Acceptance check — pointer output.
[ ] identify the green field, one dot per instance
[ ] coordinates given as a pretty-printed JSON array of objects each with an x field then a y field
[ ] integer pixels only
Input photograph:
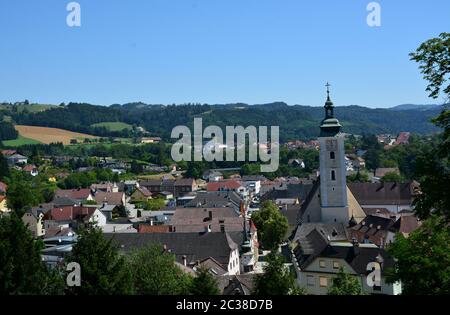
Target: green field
[
  {"x": 19, "y": 141},
  {"x": 113, "y": 126}
]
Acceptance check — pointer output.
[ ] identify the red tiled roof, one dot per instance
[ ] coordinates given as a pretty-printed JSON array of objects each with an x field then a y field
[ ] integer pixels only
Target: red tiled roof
[
  {"x": 29, "y": 168},
  {"x": 70, "y": 212},
  {"x": 8, "y": 152},
  {"x": 3, "y": 187},
  {"x": 223, "y": 185}
]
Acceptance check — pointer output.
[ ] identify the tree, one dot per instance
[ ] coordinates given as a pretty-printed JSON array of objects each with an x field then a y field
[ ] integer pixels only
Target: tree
[
  {"x": 4, "y": 170},
  {"x": 358, "y": 177},
  {"x": 276, "y": 279},
  {"x": 423, "y": 259},
  {"x": 271, "y": 224},
  {"x": 434, "y": 168},
  {"x": 204, "y": 283},
  {"x": 345, "y": 284},
  {"x": 391, "y": 177},
  {"x": 22, "y": 270},
  {"x": 17, "y": 199},
  {"x": 154, "y": 204},
  {"x": 103, "y": 269},
  {"x": 154, "y": 272},
  {"x": 434, "y": 59},
  {"x": 372, "y": 158}
]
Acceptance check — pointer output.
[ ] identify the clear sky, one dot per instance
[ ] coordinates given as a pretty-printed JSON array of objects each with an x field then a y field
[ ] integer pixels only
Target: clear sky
[{"x": 211, "y": 51}]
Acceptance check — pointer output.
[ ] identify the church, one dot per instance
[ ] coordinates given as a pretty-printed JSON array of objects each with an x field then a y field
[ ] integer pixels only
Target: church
[{"x": 330, "y": 200}]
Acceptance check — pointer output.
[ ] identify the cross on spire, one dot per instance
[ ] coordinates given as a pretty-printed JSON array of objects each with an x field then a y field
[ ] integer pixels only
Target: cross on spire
[{"x": 328, "y": 89}]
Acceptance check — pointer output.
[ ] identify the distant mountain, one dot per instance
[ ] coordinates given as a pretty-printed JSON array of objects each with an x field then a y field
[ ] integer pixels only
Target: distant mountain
[
  {"x": 295, "y": 121},
  {"x": 415, "y": 107}
]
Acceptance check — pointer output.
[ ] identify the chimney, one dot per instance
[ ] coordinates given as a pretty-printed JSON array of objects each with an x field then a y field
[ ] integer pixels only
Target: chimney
[
  {"x": 151, "y": 222},
  {"x": 184, "y": 260},
  {"x": 114, "y": 229}
]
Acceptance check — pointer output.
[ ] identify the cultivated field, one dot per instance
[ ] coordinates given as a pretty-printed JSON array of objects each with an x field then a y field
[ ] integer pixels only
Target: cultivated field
[{"x": 50, "y": 135}]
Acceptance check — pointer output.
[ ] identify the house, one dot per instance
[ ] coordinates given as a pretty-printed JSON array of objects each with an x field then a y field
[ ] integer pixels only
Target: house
[
  {"x": 188, "y": 248},
  {"x": 374, "y": 230},
  {"x": 224, "y": 219},
  {"x": 17, "y": 159},
  {"x": 215, "y": 199},
  {"x": 403, "y": 138},
  {"x": 292, "y": 215},
  {"x": 74, "y": 215},
  {"x": 31, "y": 169},
  {"x": 166, "y": 195},
  {"x": 177, "y": 187},
  {"x": 391, "y": 196},
  {"x": 212, "y": 176},
  {"x": 105, "y": 187},
  {"x": 236, "y": 284},
  {"x": 34, "y": 220},
  {"x": 288, "y": 192},
  {"x": 298, "y": 163},
  {"x": 79, "y": 195},
  {"x": 3, "y": 188},
  {"x": 130, "y": 186},
  {"x": 381, "y": 171},
  {"x": 141, "y": 194},
  {"x": 150, "y": 140},
  {"x": 107, "y": 210},
  {"x": 3, "y": 205},
  {"x": 359, "y": 163},
  {"x": 8, "y": 153},
  {"x": 227, "y": 185},
  {"x": 318, "y": 260},
  {"x": 253, "y": 183},
  {"x": 110, "y": 198}
]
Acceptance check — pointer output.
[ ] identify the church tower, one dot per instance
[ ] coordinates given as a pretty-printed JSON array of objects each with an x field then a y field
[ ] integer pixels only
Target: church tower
[{"x": 333, "y": 186}]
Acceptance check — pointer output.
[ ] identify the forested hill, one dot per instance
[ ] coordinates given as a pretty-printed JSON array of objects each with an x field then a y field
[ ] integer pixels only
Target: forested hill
[{"x": 296, "y": 122}]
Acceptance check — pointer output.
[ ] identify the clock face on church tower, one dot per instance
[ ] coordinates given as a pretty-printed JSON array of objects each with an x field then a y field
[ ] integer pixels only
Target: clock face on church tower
[{"x": 331, "y": 145}]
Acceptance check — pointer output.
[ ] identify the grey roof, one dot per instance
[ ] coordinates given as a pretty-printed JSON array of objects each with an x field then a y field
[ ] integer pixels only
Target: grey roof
[
  {"x": 333, "y": 231},
  {"x": 215, "y": 199},
  {"x": 195, "y": 246},
  {"x": 383, "y": 193},
  {"x": 298, "y": 191},
  {"x": 64, "y": 201},
  {"x": 236, "y": 284},
  {"x": 291, "y": 213},
  {"x": 357, "y": 256}
]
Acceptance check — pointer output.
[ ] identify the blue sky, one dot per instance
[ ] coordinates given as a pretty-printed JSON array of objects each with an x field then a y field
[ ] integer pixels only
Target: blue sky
[{"x": 211, "y": 51}]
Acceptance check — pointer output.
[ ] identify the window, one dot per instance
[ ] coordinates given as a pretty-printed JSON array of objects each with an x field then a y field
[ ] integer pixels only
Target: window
[
  {"x": 332, "y": 155},
  {"x": 333, "y": 175},
  {"x": 310, "y": 281},
  {"x": 323, "y": 281},
  {"x": 322, "y": 263},
  {"x": 335, "y": 265},
  {"x": 377, "y": 288}
]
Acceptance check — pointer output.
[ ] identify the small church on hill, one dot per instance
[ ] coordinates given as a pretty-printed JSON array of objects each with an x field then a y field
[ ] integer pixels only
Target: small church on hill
[{"x": 330, "y": 200}]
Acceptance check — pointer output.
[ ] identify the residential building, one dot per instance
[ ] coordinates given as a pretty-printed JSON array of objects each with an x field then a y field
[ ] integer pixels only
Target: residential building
[
  {"x": 317, "y": 261},
  {"x": 34, "y": 220},
  {"x": 177, "y": 187},
  {"x": 188, "y": 248}
]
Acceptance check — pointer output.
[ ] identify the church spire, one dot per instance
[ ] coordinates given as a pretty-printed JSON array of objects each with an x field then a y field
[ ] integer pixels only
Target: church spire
[
  {"x": 329, "y": 108},
  {"x": 330, "y": 126}
]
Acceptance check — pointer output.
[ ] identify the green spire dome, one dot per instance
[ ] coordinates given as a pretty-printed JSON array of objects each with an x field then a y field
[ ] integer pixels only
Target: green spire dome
[{"x": 330, "y": 126}]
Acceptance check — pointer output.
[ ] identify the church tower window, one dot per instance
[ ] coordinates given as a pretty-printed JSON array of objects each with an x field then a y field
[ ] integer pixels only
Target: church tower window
[
  {"x": 333, "y": 175},
  {"x": 332, "y": 155}
]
